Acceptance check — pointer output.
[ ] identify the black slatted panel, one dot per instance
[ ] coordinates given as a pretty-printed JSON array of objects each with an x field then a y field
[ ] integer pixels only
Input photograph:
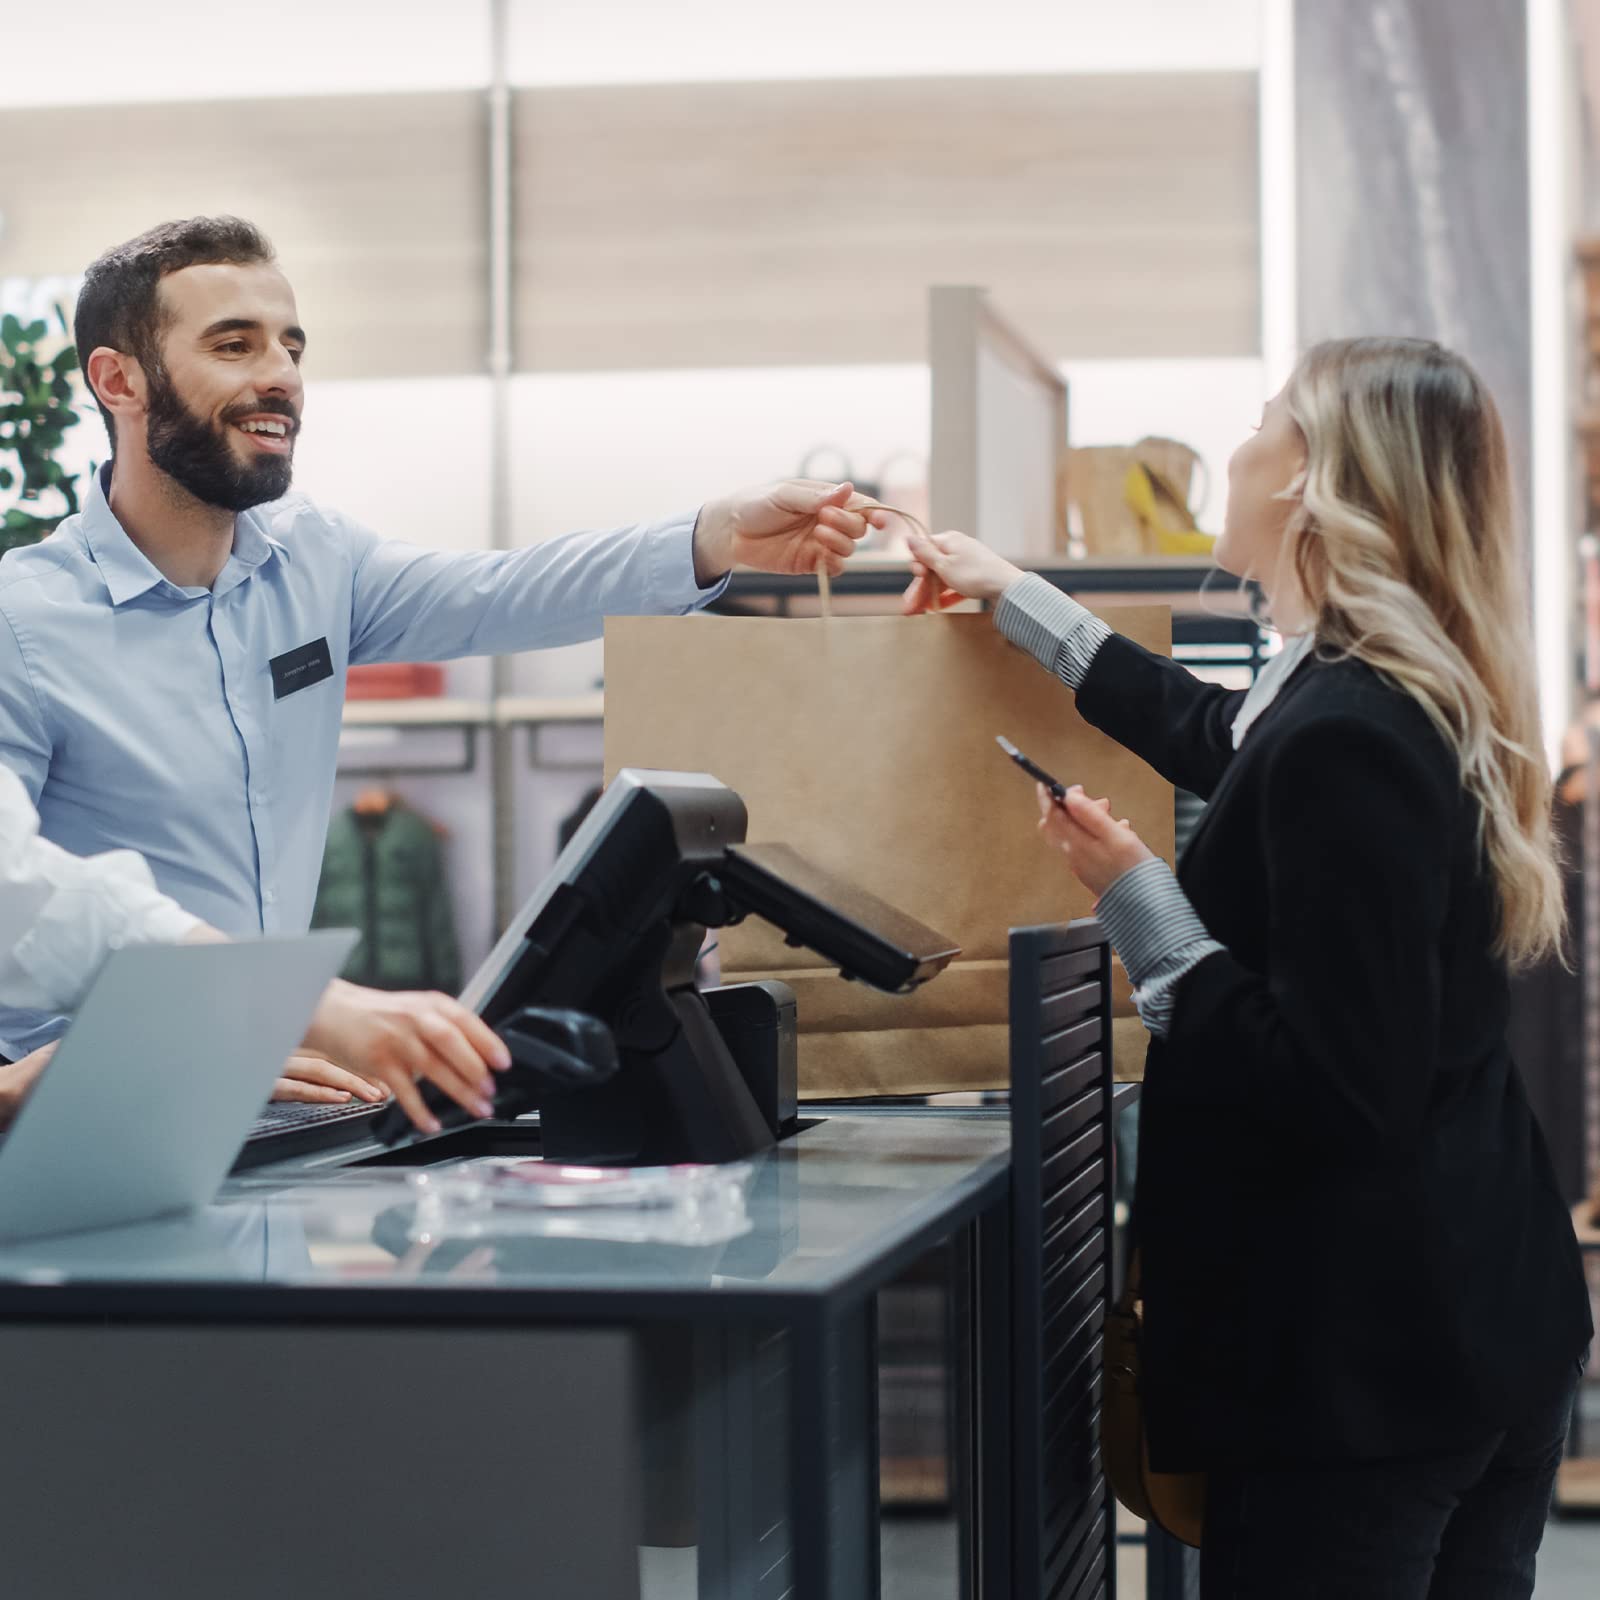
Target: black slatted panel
[{"x": 1061, "y": 1108}]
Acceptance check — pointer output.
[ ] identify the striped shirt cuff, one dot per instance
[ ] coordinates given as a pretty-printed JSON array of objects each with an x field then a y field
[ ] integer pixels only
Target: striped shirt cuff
[
  {"x": 1158, "y": 934},
  {"x": 1052, "y": 627}
]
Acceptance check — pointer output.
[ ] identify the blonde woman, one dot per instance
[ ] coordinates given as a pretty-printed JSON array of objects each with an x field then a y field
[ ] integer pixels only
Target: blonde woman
[{"x": 1366, "y": 1310}]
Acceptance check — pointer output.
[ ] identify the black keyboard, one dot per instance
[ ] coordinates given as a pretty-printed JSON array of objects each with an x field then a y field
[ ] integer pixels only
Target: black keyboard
[{"x": 282, "y": 1131}]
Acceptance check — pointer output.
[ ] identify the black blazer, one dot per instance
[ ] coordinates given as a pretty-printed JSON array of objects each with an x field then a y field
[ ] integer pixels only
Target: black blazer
[{"x": 1353, "y": 1244}]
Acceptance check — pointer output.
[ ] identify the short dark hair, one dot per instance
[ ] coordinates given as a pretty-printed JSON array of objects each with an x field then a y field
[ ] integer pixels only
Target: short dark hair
[{"x": 119, "y": 305}]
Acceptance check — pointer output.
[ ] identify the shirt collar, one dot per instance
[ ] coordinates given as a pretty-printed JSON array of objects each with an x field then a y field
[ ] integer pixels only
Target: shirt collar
[
  {"x": 129, "y": 573},
  {"x": 253, "y": 547},
  {"x": 1272, "y": 677}
]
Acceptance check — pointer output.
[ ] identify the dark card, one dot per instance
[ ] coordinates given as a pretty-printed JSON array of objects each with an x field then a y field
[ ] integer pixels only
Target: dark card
[{"x": 299, "y": 669}]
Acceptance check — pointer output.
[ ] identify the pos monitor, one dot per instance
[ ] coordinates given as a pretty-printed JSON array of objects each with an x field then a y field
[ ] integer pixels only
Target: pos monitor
[{"x": 615, "y": 929}]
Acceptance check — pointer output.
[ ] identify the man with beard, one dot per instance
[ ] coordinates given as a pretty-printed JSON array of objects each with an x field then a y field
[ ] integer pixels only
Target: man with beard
[{"x": 172, "y": 660}]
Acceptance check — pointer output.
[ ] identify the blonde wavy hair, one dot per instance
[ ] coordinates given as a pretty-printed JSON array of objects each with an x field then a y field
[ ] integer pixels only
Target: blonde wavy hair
[{"x": 1404, "y": 542}]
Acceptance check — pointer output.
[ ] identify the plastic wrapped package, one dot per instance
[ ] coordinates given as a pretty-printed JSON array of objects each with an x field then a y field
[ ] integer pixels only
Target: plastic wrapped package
[{"x": 501, "y": 1197}]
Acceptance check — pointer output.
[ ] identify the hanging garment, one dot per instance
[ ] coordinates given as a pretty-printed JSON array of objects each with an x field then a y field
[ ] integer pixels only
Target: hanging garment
[{"x": 383, "y": 873}]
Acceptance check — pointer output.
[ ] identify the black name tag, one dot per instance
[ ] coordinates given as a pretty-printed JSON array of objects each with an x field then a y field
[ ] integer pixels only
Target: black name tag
[{"x": 299, "y": 669}]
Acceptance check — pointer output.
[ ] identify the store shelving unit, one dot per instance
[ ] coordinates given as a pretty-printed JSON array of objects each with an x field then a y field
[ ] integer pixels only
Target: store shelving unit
[
  {"x": 1176, "y": 580},
  {"x": 526, "y": 711},
  {"x": 370, "y": 724},
  {"x": 420, "y": 713}
]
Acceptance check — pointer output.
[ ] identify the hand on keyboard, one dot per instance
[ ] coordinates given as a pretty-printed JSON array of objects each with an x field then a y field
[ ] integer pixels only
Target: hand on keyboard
[{"x": 312, "y": 1080}]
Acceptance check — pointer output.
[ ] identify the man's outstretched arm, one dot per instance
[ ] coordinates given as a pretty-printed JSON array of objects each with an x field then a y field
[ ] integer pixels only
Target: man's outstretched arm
[{"x": 412, "y": 604}]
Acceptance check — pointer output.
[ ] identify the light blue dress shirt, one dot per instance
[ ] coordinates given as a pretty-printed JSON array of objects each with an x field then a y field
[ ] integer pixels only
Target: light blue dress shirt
[{"x": 141, "y": 715}]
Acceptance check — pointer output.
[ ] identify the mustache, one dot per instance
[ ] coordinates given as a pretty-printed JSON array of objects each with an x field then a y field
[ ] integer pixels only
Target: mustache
[{"x": 263, "y": 408}]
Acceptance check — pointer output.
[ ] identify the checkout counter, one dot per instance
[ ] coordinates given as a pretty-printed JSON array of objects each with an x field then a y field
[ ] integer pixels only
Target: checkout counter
[
  {"x": 369, "y": 1378},
  {"x": 317, "y": 1387}
]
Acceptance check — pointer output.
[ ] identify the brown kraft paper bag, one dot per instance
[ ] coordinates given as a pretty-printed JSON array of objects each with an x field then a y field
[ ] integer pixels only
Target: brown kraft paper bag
[{"x": 868, "y": 744}]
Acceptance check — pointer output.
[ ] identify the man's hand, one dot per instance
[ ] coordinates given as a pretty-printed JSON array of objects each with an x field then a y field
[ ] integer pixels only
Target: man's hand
[
  {"x": 1097, "y": 849},
  {"x": 793, "y": 525},
  {"x": 395, "y": 1039},
  {"x": 950, "y": 567},
  {"x": 314, "y": 1080},
  {"x": 17, "y": 1079}
]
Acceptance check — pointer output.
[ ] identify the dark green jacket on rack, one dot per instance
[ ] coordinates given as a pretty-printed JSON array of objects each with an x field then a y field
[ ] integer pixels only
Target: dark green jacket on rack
[{"x": 384, "y": 874}]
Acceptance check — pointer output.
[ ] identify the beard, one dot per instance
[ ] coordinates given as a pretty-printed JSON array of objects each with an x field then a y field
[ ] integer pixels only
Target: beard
[{"x": 200, "y": 456}]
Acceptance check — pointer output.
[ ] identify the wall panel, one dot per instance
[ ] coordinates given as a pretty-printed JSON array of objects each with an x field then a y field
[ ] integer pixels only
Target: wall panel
[
  {"x": 375, "y": 203},
  {"x": 734, "y": 224}
]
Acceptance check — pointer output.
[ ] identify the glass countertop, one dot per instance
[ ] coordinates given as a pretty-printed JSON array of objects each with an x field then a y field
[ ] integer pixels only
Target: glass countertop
[{"x": 835, "y": 1209}]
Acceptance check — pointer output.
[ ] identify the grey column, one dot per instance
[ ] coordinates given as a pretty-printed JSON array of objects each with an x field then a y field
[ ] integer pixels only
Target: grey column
[{"x": 1412, "y": 179}]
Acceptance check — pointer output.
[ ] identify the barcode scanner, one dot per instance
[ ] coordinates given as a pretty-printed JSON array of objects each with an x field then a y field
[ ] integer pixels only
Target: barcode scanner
[{"x": 553, "y": 1051}]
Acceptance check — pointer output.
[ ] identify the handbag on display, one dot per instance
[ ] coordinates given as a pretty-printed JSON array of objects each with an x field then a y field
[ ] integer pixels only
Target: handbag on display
[
  {"x": 1135, "y": 501},
  {"x": 1172, "y": 1501}
]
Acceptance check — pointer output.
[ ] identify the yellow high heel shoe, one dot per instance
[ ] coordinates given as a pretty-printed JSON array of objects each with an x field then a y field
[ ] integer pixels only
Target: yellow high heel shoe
[{"x": 1168, "y": 522}]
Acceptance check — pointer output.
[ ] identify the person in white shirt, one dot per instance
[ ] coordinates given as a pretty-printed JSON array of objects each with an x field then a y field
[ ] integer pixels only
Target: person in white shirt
[{"x": 61, "y": 914}]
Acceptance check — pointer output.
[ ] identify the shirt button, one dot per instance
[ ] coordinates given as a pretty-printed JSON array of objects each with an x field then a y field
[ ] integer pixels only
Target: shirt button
[
  {"x": 269, "y": 896},
  {"x": 260, "y": 797}
]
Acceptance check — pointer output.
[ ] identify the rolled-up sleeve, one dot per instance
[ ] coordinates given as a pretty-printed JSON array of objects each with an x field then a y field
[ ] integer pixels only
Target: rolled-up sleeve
[
  {"x": 415, "y": 604},
  {"x": 61, "y": 914}
]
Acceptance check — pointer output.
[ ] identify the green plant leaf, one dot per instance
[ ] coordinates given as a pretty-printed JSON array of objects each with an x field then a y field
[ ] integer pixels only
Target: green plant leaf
[{"x": 37, "y": 406}]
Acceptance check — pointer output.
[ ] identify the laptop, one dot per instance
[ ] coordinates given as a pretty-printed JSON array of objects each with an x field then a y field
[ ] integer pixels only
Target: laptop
[{"x": 168, "y": 1062}]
